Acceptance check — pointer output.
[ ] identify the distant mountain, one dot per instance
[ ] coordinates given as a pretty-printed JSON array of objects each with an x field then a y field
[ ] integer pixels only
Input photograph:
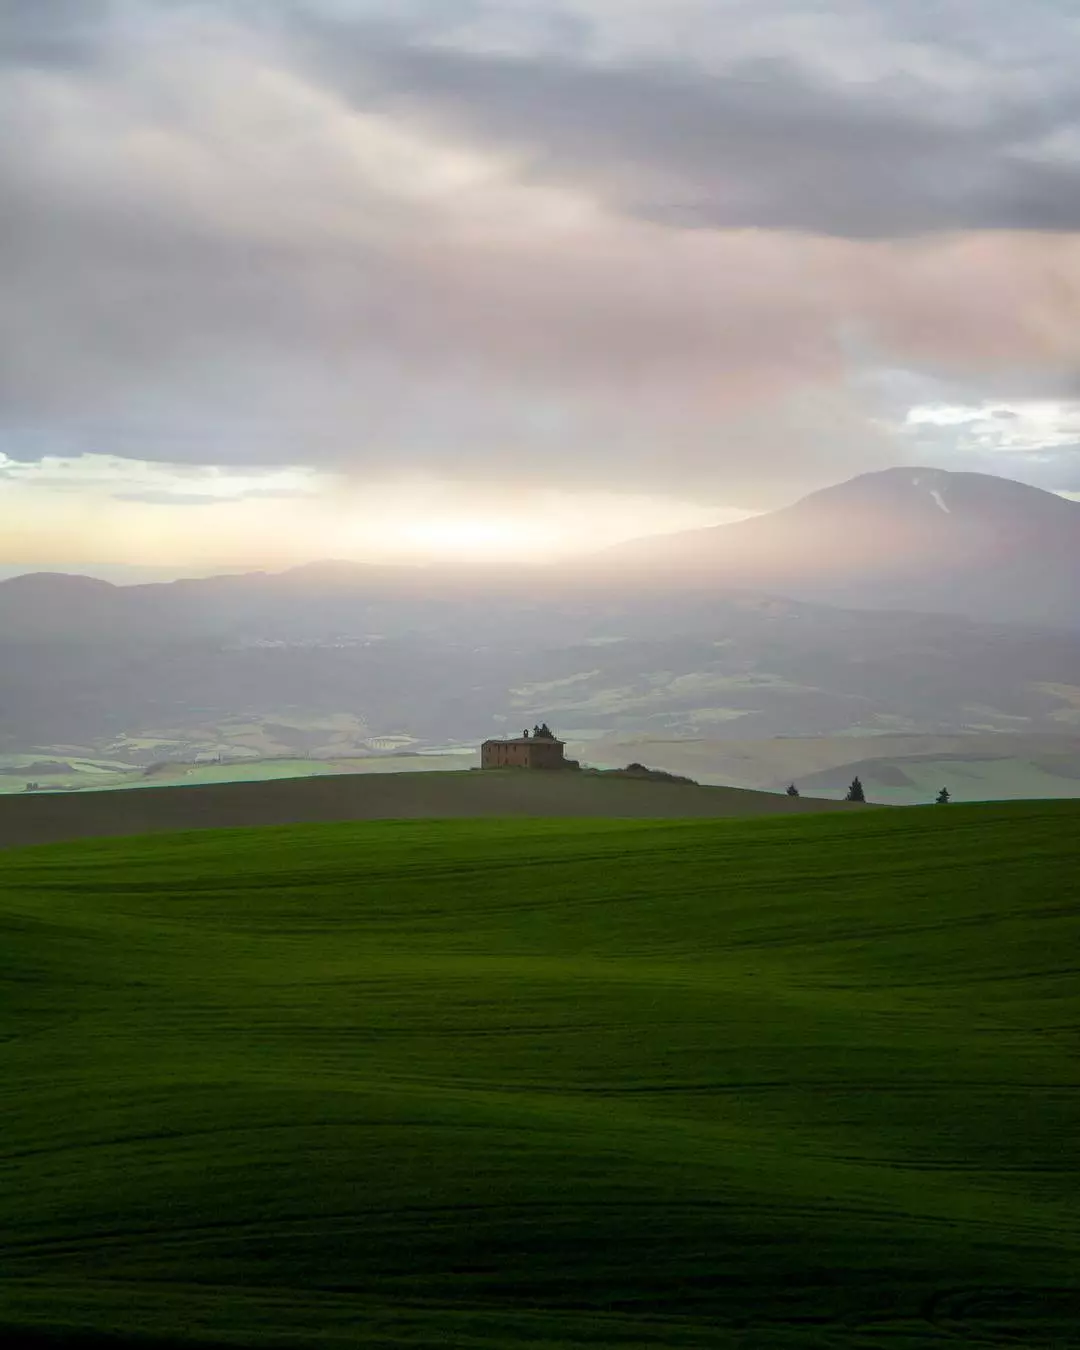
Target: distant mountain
[
  {"x": 916, "y": 539},
  {"x": 123, "y": 574},
  {"x": 721, "y": 631}
]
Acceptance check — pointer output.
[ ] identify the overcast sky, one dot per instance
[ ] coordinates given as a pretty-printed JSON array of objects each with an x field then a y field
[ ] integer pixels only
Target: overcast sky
[{"x": 338, "y": 277}]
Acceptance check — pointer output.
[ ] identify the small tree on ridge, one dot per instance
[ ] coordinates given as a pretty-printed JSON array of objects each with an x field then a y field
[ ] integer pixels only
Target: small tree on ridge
[{"x": 855, "y": 792}]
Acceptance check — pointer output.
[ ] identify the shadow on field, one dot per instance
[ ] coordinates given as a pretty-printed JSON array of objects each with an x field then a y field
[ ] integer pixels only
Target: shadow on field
[{"x": 46, "y": 818}]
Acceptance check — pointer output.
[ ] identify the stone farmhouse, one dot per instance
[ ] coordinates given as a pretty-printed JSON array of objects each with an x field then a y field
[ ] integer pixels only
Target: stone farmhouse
[{"x": 539, "y": 750}]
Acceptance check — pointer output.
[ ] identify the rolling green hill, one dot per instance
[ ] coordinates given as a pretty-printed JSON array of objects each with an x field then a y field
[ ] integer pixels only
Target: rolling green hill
[
  {"x": 895, "y": 769},
  {"x": 968, "y": 778},
  {"x": 792, "y": 1082},
  {"x": 45, "y": 818}
]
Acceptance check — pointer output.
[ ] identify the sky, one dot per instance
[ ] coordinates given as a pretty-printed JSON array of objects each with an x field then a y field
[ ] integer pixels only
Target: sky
[{"x": 450, "y": 278}]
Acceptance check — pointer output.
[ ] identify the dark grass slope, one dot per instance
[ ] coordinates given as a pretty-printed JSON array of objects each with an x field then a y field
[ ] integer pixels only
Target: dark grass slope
[
  {"x": 772, "y": 1084},
  {"x": 42, "y": 818}
]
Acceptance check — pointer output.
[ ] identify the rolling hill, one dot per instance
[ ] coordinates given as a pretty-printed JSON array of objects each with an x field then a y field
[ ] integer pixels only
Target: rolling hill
[
  {"x": 789, "y": 1084},
  {"x": 900, "y": 770},
  {"x": 41, "y": 818}
]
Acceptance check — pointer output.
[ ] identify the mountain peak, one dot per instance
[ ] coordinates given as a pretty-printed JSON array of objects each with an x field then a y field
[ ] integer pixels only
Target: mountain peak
[
  {"x": 945, "y": 491},
  {"x": 911, "y": 537}
]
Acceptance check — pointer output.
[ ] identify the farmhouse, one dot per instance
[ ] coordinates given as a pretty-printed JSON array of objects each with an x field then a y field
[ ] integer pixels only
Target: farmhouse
[{"x": 540, "y": 750}]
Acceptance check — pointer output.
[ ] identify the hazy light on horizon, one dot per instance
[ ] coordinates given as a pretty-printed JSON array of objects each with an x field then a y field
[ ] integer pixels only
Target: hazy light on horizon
[{"x": 103, "y": 510}]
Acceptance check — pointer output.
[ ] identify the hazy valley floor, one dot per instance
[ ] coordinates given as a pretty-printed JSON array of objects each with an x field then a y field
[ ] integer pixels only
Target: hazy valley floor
[
  {"x": 765, "y": 1084},
  {"x": 42, "y": 818}
]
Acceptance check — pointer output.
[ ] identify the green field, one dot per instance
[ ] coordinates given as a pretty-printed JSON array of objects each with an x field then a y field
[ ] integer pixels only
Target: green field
[
  {"x": 62, "y": 817},
  {"x": 261, "y": 770},
  {"x": 86, "y": 775},
  {"x": 917, "y": 780},
  {"x": 896, "y": 770},
  {"x": 803, "y": 1081}
]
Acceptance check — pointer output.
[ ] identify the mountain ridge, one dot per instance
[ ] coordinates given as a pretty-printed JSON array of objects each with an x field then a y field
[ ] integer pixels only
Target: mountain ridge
[
  {"x": 916, "y": 538},
  {"x": 451, "y": 655},
  {"x": 921, "y": 539}
]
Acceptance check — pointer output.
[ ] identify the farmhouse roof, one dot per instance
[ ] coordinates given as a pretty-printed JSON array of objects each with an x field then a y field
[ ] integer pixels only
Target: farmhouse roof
[{"x": 525, "y": 740}]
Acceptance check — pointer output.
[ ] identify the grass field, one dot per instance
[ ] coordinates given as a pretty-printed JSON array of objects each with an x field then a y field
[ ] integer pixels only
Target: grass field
[
  {"x": 793, "y": 1082},
  {"x": 900, "y": 770},
  {"x": 261, "y": 770},
  {"x": 93, "y": 776},
  {"x": 910, "y": 781},
  {"x": 36, "y": 818}
]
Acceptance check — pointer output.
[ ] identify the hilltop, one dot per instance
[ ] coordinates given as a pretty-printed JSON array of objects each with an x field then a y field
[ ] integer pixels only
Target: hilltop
[
  {"x": 787, "y": 1084},
  {"x": 896, "y": 770},
  {"x": 34, "y": 818}
]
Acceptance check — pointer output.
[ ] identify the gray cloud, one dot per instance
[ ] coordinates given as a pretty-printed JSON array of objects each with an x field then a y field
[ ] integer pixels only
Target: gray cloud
[
  {"x": 458, "y": 242},
  {"x": 53, "y": 34},
  {"x": 762, "y": 145}
]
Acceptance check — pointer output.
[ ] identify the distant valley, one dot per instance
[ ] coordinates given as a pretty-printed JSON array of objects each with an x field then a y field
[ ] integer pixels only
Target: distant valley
[{"x": 338, "y": 661}]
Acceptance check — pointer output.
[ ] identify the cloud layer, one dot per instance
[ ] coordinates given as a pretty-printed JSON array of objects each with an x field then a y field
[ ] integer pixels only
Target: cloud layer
[{"x": 652, "y": 246}]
